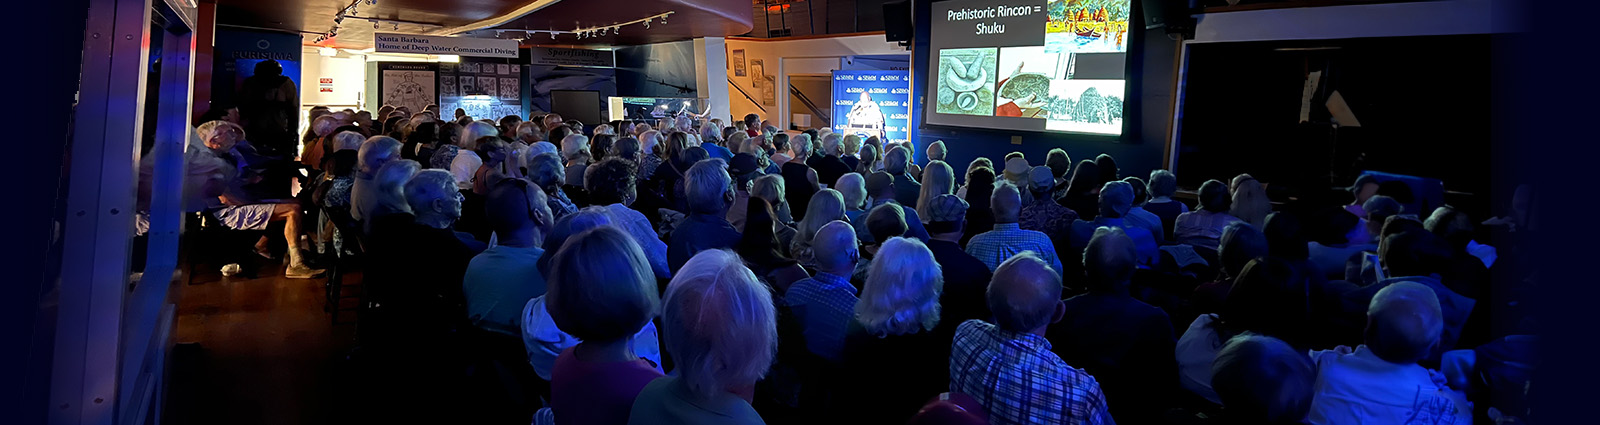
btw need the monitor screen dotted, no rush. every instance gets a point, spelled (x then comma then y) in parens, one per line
(581, 105)
(1031, 65)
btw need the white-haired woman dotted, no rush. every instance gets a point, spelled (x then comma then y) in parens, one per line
(465, 165)
(603, 293)
(853, 187)
(894, 360)
(852, 150)
(1250, 201)
(826, 206)
(799, 179)
(575, 150)
(937, 179)
(721, 328)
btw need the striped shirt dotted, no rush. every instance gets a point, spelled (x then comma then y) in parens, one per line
(824, 305)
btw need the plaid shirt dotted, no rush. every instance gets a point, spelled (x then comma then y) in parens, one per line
(1020, 381)
(1007, 239)
(824, 304)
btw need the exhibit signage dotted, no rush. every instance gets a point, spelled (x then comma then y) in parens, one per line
(872, 103)
(439, 45)
(571, 57)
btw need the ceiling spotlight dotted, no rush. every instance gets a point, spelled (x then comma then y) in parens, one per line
(663, 19)
(552, 35)
(374, 24)
(396, 26)
(647, 24)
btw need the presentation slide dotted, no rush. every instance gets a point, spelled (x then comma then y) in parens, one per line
(1032, 65)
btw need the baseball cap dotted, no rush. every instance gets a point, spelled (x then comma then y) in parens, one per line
(1118, 194)
(946, 208)
(1041, 178)
(743, 163)
(878, 182)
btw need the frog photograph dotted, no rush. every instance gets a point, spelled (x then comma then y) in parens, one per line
(967, 81)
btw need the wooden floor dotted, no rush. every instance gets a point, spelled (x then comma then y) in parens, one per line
(257, 351)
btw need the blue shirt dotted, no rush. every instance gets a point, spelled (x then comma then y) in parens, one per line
(824, 305)
(1144, 242)
(498, 284)
(717, 151)
(699, 232)
(1007, 239)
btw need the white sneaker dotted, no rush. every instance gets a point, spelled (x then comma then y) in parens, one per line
(231, 269)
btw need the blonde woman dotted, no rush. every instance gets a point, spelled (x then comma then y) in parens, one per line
(1250, 201)
(827, 205)
(937, 179)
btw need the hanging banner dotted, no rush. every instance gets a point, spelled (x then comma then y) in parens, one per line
(439, 45)
(571, 57)
(872, 103)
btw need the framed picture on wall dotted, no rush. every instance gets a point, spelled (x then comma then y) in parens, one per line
(738, 63)
(768, 90)
(758, 68)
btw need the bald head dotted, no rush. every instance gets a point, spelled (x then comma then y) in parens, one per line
(1109, 259)
(1024, 293)
(1006, 203)
(835, 246)
(1404, 322)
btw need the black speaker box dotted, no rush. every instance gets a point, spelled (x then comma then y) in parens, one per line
(897, 20)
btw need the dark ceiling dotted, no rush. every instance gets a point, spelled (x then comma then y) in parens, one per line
(691, 19)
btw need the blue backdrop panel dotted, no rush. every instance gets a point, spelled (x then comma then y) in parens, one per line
(885, 115)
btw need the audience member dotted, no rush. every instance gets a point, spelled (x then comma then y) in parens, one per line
(1203, 227)
(1263, 381)
(610, 184)
(1137, 216)
(421, 300)
(1060, 165)
(710, 192)
(1008, 366)
(546, 171)
(543, 339)
(759, 246)
(800, 181)
(1240, 243)
(782, 149)
(744, 169)
(826, 207)
(869, 160)
(829, 163)
(771, 188)
(374, 153)
(884, 222)
(965, 278)
(1332, 247)
(652, 157)
(1044, 215)
(1163, 185)
(881, 188)
(575, 150)
(1249, 201)
(237, 209)
(1126, 344)
(937, 179)
(1268, 298)
(980, 215)
(603, 293)
(721, 330)
(1083, 191)
(1016, 172)
(824, 304)
(465, 166)
(1417, 257)
(500, 280)
(853, 187)
(893, 359)
(1107, 166)
(852, 152)
(1380, 381)
(1008, 239)
(906, 188)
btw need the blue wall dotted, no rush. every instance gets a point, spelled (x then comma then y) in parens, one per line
(1138, 151)
(237, 51)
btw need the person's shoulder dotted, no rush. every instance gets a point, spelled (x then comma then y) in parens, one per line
(971, 327)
